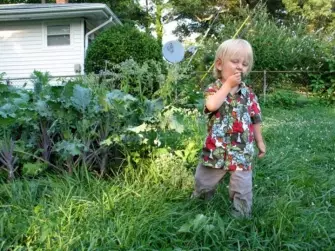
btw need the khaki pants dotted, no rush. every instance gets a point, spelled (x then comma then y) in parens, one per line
(240, 186)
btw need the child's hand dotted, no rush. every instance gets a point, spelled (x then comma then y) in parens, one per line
(261, 148)
(234, 80)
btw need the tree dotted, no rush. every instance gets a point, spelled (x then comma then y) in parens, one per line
(118, 44)
(200, 14)
(319, 13)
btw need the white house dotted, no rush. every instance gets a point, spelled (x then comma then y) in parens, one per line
(49, 37)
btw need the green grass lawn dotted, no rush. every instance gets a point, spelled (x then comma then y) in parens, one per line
(150, 209)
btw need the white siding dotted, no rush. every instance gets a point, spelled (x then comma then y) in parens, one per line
(23, 48)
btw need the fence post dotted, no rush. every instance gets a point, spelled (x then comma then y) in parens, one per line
(264, 85)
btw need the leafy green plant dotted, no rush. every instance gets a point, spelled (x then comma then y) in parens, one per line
(180, 88)
(7, 156)
(190, 154)
(278, 46)
(282, 98)
(64, 126)
(324, 83)
(33, 169)
(118, 44)
(138, 79)
(2, 75)
(200, 223)
(148, 207)
(39, 80)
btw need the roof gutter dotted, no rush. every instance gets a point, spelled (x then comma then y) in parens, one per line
(47, 11)
(113, 15)
(111, 20)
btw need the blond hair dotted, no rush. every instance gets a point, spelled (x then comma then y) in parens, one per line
(231, 48)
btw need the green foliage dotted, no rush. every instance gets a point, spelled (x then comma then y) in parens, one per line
(81, 98)
(141, 80)
(324, 83)
(65, 126)
(277, 46)
(201, 15)
(2, 75)
(8, 160)
(189, 154)
(39, 80)
(282, 98)
(148, 208)
(180, 87)
(118, 44)
(33, 169)
(319, 13)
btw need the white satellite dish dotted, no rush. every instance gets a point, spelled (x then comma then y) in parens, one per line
(173, 51)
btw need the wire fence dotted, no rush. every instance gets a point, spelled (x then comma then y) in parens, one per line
(28, 83)
(265, 82)
(262, 82)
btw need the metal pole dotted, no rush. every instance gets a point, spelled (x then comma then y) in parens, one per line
(264, 85)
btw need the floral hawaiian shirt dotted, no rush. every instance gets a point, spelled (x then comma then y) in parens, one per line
(229, 142)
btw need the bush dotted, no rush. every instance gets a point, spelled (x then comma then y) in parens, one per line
(283, 98)
(118, 44)
(324, 83)
(277, 47)
(136, 79)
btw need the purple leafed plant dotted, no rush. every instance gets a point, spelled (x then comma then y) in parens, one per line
(7, 157)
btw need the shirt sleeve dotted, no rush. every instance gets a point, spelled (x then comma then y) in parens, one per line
(209, 91)
(254, 108)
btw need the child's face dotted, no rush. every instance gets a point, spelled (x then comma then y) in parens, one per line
(229, 66)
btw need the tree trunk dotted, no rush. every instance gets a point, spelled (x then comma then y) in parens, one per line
(11, 176)
(159, 24)
(103, 162)
(147, 18)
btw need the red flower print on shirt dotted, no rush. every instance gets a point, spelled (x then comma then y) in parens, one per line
(254, 108)
(232, 167)
(210, 143)
(238, 126)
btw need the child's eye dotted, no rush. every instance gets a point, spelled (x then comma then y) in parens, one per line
(245, 64)
(234, 61)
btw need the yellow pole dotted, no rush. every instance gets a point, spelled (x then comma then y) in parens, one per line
(236, 33)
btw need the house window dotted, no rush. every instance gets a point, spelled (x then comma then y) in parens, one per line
(58, 35)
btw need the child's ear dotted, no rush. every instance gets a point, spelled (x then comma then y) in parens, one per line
(219, 64)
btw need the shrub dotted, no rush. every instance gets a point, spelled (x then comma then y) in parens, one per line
(136, 79)
(283, 98)
(324, 83)
(118, 44)
(277, 47)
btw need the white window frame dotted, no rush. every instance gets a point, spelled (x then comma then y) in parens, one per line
(45, 35)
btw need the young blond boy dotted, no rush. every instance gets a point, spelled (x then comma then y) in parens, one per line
(234, 118)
